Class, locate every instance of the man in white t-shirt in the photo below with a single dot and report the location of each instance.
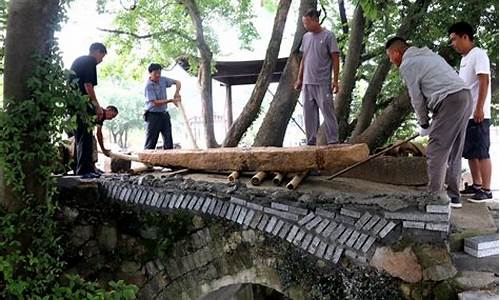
(475, 72)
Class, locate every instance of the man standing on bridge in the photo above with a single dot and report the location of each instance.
(435, 87)
(320, 58)
(156, 116)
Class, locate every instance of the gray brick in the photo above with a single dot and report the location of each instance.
(351, 254)
(230, 211)
(236, 213)
(413, 224)
(127, 195)
(338, 231)
(248, 217)
(444, 227)
(238, 201)
(371, 223)
(121, 196)
(438, 209)
(293, 232)
(161, 200)
(256, 219)
(279, 206)
(345, 220)
(306, 219)
(369, 242)
(166, 200)
(172, 201)
(329, 252)
(311, 224)
(132, 196)
(199, 203)
(212, 206)
(325, 213)
(329, 229)
(482, 252)
(270, 225)
(280, 213)
(361, 240)
(255, 206)
(193, 202)
(347, 233)
(154, 202)
(179, 201)
(218, 208)
(417, 216)
(321, 249)
(336, 256)
(144, 195)
(263, 222)
(386, 229)
(284, 230)
(242, 215)
(186, 201)
(381, 223)
(297, 210)
(353, 238)
(206, 205)
(138, 197)
(482, 242)
(113, 191)
(363, 220)
(350, 212)
(298, 237)
(278, 227)
(307, 240)
(223, 211)
(322, 226)
(314, 245)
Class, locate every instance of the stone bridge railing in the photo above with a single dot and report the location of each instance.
(326, 226)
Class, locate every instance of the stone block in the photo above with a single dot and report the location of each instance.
(369, 242)
(311, 224)
(361, 240)
(186, 201)
(270, 225)
(371, 223)
(293, 232)
(402, 264)
(230, 211)
(338, 253)
(212, 206)
(263, 222)
(256, 219)
(166, 201)
(236, 212)
(238, 201)
(179, 200)
(482, 242)
(385, 231)
(248, 217)
(284, 230)
(223, 211)
(381, 224)
(438, 209)
(353, 238)
(322, 226)
(298, 238)
(325, 213)
(330, 250)
(414, 215)
(297, 210)
(314, 245)
(345, 220)
(278, 227)
(478, 295)
(413, 224)
(279, 206)
(321, 249)
(347, 233)
(242, 215)
(307, 240)
(172, 201)
(282, 214)
(218, 208)
(482, 252)
(444, 227)
(350, 212)
(255, 206)
(337, 232)
(329, 229)
(363, 220)
(306, 219)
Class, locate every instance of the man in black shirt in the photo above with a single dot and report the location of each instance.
(85, 73)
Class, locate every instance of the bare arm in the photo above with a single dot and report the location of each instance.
(177, 89)
(483, 91)
(298, 82)
(93, 99)
(335, 71)
(101, 141)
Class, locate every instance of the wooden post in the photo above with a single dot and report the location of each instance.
(229, 107)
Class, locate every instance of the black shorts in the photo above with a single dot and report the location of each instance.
(477, 140)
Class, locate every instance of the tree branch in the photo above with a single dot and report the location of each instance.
(149, 35)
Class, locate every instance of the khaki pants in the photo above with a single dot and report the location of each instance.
(446, 142)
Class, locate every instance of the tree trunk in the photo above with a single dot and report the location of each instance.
(204, 74)
(252, 108)
(387, 123)
(30, 30)
(273, 128)
(370, 98)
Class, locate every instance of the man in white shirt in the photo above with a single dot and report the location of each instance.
(475, 72)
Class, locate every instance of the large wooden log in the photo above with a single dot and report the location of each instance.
(272, 159)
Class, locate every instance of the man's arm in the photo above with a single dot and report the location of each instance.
(300, 76)
(417, 99)
(335, 71)
(89, 87)
(484, 80)
(177, 89)
(101, 141)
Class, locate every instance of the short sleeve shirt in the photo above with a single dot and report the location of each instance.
(317, 49)
(474, 63)
(157, 91)
(84, 69)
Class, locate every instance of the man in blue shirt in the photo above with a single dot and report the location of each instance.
(156, 115)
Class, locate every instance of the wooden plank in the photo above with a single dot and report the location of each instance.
(277, 159)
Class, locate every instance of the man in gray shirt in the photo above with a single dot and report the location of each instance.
(434, 86)
(156, 115)
(320, 56)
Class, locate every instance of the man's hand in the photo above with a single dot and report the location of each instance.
(106, 152)
(298, 85)
(478, 115)
(335, 87)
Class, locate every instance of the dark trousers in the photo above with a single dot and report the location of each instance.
(156, 123)
(83, 148)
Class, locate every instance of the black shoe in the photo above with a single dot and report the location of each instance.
(455, 203)
(90, 176)
(481, 196)
(470, 190)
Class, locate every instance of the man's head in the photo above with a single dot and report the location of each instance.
(154, 71)
(395, 48)
(462, 37)
(98, 50)
(110, 112)
(311, 20)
